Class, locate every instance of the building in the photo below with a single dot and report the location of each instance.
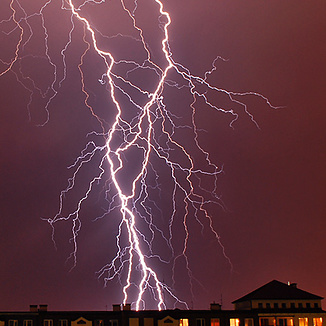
(274, 304)
(280, 304)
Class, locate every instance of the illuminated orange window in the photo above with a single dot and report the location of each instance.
(215, 322)
(284, 321)
(318, 321)
(303, 321)
(184, 322)
(234, 322)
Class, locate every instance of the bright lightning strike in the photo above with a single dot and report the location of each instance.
(137, 133)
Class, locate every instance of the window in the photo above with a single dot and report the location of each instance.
(268, 305)
(184, 322)
(260, 305)
(283, 305)
(28, 322)
(13, 322)
(292, 305)
(148, 322)
(275, 305)
(316, 305)
(285, 322)
(47, 322)
(215, 322)
(234, 322)
(303, 321)
(249, 322)
(114, 322)
(132, 322)
(168, 321)
(200, 322)
(308, 305)
(318, 321)
(63, 322)
(99, 322)
(300, 305)
(266, 321)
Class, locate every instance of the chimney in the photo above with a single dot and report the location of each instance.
(215, 306)
(43, 307)
(127, 307)
(33, 307)
(116, 307)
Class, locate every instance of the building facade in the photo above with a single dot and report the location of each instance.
(274, 304)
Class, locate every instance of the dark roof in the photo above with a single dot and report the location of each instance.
(277, 290)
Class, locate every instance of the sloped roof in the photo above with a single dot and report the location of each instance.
(276, 290)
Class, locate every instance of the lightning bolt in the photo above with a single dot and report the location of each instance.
(143, 126)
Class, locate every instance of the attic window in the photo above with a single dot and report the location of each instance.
(81, 322)
(168, 321)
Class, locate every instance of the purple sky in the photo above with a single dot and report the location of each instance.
(273, 180)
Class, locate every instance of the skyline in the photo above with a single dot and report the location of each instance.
(273, 176)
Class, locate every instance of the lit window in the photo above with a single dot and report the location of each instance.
(184, 322)
(318, 321)
(234, 322)
(285, 322)
(13, 322)
(28, 322)
(200, 322)
(48, 322)
(249, 322)
(215, 322)
(303, 321)
(63, 322)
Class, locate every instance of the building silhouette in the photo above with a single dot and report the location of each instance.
(273, 304)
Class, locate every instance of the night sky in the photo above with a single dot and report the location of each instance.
(271, 217)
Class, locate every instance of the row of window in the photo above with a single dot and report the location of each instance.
(271, 321)
(276, 305)
(280, 321)
(61, 322)
(216, 322)
(46, 322)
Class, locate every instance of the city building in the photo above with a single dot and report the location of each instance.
(273, 304)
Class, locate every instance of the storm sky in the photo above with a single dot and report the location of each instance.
(272, 182)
